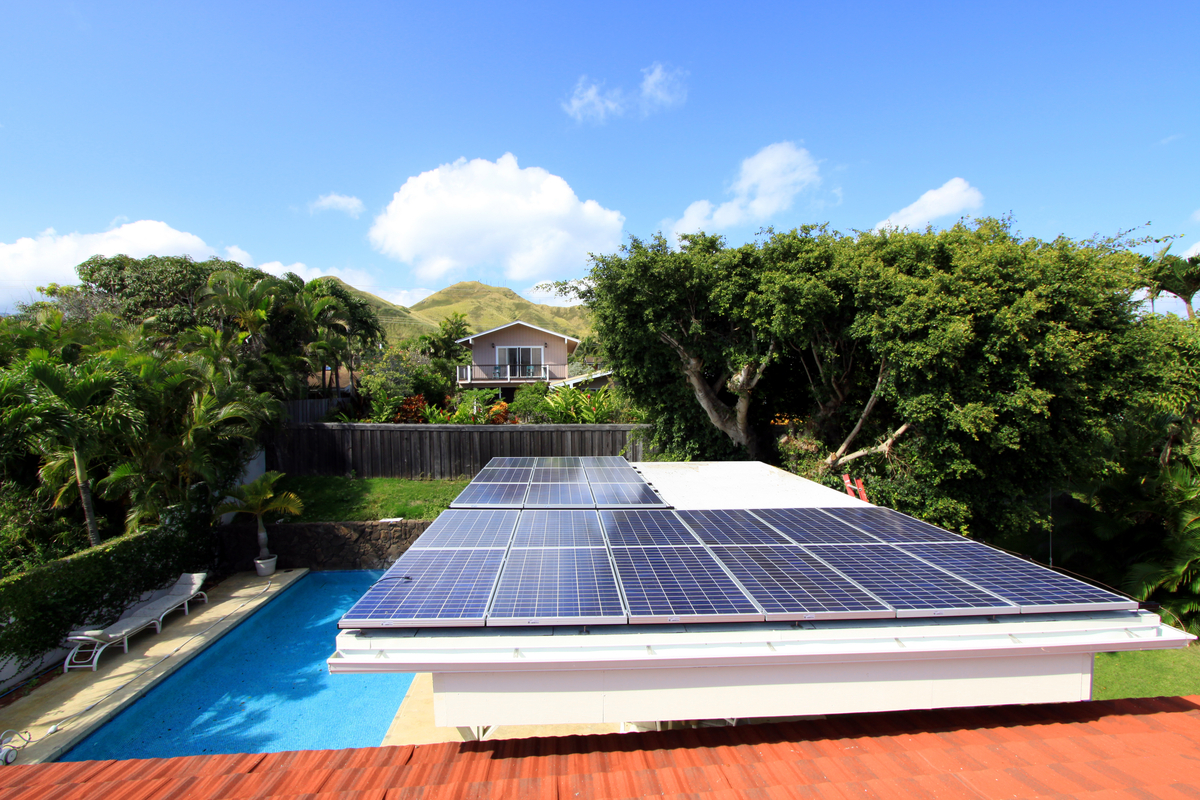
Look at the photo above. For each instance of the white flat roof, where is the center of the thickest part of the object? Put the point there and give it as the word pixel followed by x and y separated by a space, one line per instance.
pixel 699 485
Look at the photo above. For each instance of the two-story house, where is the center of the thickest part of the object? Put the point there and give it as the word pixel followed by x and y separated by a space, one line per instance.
pixel 513 355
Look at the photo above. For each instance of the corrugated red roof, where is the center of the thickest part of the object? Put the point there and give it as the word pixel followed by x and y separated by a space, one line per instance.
pixel 1114 749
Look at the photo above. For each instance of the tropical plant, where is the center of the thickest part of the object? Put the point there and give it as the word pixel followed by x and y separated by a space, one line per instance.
pixel 259 498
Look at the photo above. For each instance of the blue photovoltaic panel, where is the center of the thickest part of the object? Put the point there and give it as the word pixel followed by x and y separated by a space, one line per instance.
pixel 558 495
pixel 1033 587
pixel 791 584
pixel 810 526
pixel 502 495
pixel 892 526
pixel 468 528
pixel 625 494
pixel 730 527
pixel 558 529
pixel 643 528
pixel 559 475
pixel 503 475
pixel 545 586
pixel 442 587
pixel 603 461
pixel 907 584
pixel 512 461
pixel 680 584
pixel 613 475
pixel 559 461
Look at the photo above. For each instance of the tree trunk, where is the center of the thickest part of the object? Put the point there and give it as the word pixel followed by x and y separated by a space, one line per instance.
pixel 263 552
pixel 85 497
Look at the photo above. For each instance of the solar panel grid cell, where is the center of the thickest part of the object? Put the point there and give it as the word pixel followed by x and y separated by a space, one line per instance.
pixel 559 495
pixel 908 584
pixel 791 584
pixel 458 528
pixel 732 527
pixel 558 529
pixel 612 475
pixel 625 494
pixel 512 461
pixel 559 475
pixel 892 526
pixel 812 526
pixel 603 461
pixel 446 587
pixel 500 495
pixel 503 475
pixel 1033 587
pixel 559 461
pixel 542 586
pixel 680 584
pixel 646 527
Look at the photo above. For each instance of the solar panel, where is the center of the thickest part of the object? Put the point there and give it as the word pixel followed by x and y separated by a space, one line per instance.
pixel 512 461
pixel 558 529
pixel 892 526
pixel 810 526
pixel 730 527
pixel 443 587
pixel 644 528
pixel 680 584
pixel 559 461
pixel 907 584
pixel 559 475
pixel 615 495
pixel 548 586
pixel 603 461
pixel 558 495
pixel 458 528
pixel 503 475
pixel 496 495
pixel 613 475
pixel 1033 587
pixel 789 584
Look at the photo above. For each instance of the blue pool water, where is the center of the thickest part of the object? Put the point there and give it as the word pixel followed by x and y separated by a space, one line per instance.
pixel 261 688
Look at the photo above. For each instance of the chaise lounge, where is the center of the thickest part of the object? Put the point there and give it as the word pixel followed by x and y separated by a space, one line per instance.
pixel 148 611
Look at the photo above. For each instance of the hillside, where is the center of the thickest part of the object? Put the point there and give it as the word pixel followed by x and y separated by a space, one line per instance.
pixel 487 307
pixel 398 321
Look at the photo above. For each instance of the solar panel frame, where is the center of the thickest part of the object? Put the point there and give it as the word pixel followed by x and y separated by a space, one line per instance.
pixel 444 588
pixel 559 495
pixel 557 586
pixel 731 527
pixel 558 528
pixel 892 526
pixel 1030 586
pixel 512 461
pixel 789 583
pixel 503 475
pixel 911 586
pixel 812 526
pixel 491 495
pixel 679 585
pixel 558 475
pixel 626 495
pixel 613 475
pixel 457 529
pixel 558 461
pixel 646 528
pixel 604 461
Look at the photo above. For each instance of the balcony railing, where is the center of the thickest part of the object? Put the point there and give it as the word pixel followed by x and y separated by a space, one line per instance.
pixel 490 373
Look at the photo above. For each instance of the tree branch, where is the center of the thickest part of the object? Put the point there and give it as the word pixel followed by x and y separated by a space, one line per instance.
pixel 834 458
pixel 870 451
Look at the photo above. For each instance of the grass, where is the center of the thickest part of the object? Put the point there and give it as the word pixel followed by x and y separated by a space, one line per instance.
pixel 333 499
pixel 1146 673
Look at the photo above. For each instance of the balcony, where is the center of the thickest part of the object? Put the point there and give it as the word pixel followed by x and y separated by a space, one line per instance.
pixel 510 373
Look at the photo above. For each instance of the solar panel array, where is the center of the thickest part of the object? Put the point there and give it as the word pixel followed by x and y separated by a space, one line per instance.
pixel 559 482
pixel 531 565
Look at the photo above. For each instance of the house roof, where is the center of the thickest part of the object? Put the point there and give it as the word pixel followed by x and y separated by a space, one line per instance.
pixel 1112 749
pixel 469 339
pixel 591 376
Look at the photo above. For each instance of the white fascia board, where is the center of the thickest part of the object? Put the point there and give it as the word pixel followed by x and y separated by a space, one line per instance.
pixel 555 334
pixel 763 645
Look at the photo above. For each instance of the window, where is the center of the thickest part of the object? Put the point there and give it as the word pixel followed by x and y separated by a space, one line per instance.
pixel 519 362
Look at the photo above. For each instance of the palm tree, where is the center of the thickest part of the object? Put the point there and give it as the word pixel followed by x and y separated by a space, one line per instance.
pixel 258 498
pixel 1177 276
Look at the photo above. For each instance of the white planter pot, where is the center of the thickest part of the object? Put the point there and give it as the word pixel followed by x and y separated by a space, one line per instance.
pixel 265 566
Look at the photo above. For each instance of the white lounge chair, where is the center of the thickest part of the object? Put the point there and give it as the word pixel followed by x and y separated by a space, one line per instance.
pixel 147 612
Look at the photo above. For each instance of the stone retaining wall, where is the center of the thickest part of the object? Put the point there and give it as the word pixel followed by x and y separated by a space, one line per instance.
pixel 319 545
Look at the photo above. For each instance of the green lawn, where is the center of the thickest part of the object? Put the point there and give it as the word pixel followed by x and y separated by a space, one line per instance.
pixel 332 499
pixel 1147 673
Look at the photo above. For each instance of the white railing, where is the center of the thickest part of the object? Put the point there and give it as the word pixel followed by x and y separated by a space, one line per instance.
pixel 470 373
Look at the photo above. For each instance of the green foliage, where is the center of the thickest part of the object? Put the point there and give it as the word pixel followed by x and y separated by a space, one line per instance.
pixel 443 345
pixel 31 532
pixel 338 499
pixel 259 498
pixel 529 403
pixel 92 587
pixel 569 405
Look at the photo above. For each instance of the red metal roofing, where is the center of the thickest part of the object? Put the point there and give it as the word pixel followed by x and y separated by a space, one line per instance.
pixel 1115 749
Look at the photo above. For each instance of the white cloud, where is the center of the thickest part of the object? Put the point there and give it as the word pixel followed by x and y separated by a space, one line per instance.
pixel 767 183
pixel 1171 138
pixel 405 297
pixel 337 202
pixel 482 213
pixel 589 102
pixel 1196 215
pixel 662 87
pixel 51 257
pixel 1194 250
pixel 953 197
pixel 547 298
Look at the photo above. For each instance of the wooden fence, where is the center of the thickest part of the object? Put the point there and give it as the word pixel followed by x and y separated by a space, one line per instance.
pixel 436 451
pixel 302 411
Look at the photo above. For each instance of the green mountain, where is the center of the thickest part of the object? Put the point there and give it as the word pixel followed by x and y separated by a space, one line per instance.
pixel 399 322
pixel 487 307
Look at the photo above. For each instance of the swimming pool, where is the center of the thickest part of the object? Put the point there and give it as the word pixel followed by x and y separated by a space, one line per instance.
pixel 261 688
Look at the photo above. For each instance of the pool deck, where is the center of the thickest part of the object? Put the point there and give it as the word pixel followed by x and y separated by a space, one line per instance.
pixel 82 700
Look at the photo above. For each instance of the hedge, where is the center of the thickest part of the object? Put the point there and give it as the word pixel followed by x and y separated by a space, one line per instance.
pixel 40 607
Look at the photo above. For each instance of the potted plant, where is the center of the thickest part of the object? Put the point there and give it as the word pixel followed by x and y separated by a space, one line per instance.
pixel 258 498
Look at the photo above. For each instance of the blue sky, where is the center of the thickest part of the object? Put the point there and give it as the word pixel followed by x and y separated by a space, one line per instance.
pixel 405 148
